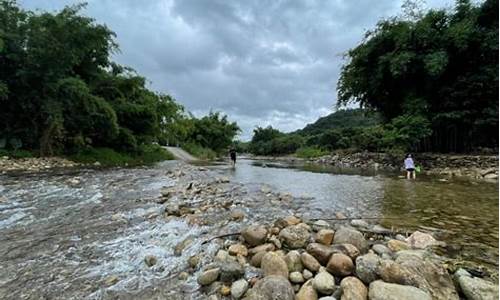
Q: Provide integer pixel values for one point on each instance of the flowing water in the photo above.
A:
(83, 234)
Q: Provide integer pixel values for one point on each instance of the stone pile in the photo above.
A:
(295, 259)
(34, 164)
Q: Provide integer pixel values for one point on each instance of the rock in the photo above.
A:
(309, 262)
(324, 283)
(274, 240)
(238, 288)
(381, 249)
(360, 223)
(347, 235)
(340, 216)
(321, 252)
(420, 240)
(380, 290)
(274, 264)
(272, 288)
(111, 280)
(491, 176)
(367, 267)
(324, 236)
(230, 271)
(307, 292)
(257, 259)
(353, 289)
(293, 261)
(238, 249)
(225, 290)
(222, 255)
(347, 249)
(328, 298)
(182, 245)
(340, 265)
(477, 289)
(307, 274)
(208, 276)
(296, 277)
(193, 261)
(262, 248)
(287, 221)
(320, 224)
(255, 235)
(396, 245)
(295, 236)
(150, 260)
(237, 215)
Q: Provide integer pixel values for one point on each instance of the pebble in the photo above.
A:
(296, 277)
(309, 262)
(238, 288)
(208, 276)
(323, 282)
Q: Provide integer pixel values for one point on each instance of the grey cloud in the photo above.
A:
(262, 62)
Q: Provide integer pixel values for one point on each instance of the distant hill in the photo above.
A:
(341, 119)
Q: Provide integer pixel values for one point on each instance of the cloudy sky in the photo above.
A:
(266, 62)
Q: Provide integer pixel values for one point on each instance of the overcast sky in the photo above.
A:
(267, 62)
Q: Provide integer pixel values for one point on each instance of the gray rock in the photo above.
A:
(254, 235)
(380, 290)
(320, 224)
(272, 288)
(367, 267)
(347, 235)
(323, 282)
(293, 261)
(307, 274)
(477, 289)
(230, 271)
(238, 288)
(381, 249)
(420, 240)
(295, 236)
(273, 264)
(209, 276)
(296, 277)
(360, 223)
(327, 298)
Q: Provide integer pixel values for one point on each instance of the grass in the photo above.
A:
(147, 154)
(17, 153)
(199, 151)
(310, 152)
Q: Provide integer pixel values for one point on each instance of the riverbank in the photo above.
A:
(448, 165)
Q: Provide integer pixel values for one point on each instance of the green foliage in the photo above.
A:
(310, 152)
(199, 151)
(61, 94)
(438, 69)
(17, 153)
(107, 157)
(270, 141)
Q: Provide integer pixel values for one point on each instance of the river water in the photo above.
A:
(83, 234)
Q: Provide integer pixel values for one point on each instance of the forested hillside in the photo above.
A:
(60, 93)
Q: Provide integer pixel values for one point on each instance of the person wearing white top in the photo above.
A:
(410, 167)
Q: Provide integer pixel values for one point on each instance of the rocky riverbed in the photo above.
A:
(34, 164)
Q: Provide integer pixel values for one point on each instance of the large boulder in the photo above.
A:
(380, 290)
(273, 264)
(307, 292)
(353, 289)
(340, 265)
(295, 236)
(476, 288)
(367, 267)
(271, 288)
(254, 235)
(346, 235)
(321, 252)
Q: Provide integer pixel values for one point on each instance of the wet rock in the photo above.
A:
(309, 262)
(353, 289)
(193, 261)
(296, 277)
(380, 290)
(420, 240)
(262, 248)
(272, 288)
(321, 252)
(307, 292)
(208, 276)
(182, 245)
(293, 261)
(150, 260)
(238, 288)
(347, 249)
(381, 249)
(222, 255)
(323, 282)
(230, 271)
(347, 235)
(238, 249)
(340, 216)
(255, 235)
(324, 236)
(475, 288)
(367, 267)
(183, 275)
(111, 280)
(274, 264)
(340, 265)
(320, 224)
(328, 298)
(295, 236)
(237, 215)
(396, 245)
(307, 274)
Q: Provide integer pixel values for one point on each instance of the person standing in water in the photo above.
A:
(232, 155)
(410, 167)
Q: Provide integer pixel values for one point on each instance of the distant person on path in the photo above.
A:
(232, 155)
(410, 167)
